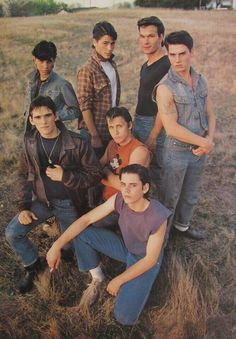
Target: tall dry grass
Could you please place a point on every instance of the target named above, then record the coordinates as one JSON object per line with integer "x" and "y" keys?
{"x": 194, "y": 295}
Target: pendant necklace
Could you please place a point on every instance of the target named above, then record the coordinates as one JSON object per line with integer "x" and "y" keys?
{"x": 53, "y": 147}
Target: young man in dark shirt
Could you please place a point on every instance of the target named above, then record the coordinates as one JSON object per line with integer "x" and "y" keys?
{"x": 151, "y": 35}
{"x": 55, "y": 168}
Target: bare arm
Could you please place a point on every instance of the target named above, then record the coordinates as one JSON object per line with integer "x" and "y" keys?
{"x": 54, "y": 253}
{"x": 140, "y": 155}
{"x": 168, "y": 115}
{"x": 153, "y": 251}
{"x": 151, "y": 140}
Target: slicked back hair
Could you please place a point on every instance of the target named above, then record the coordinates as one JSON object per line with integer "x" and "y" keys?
{"x": 152, "y": 20}
{"x": 179, "y": 38}
{"x": 104, "y": 28}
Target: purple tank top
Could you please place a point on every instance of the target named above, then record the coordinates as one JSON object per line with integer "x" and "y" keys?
{"x": 136, "y": 227}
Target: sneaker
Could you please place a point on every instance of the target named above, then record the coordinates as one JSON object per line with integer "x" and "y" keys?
{"x": 91, "y": 294}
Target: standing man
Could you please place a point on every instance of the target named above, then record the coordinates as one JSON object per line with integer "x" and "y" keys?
{"x": 98, "y": 86}
{"x": 151, "y": 35}
{"x": 187, "y": 115}
{"x": 44, "y": 81}
{"x": 56, "y": 166}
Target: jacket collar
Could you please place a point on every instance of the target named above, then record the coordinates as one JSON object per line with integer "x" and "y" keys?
{"x": 34, "y": 76}
{"x": 98, "y": 58}
{"x": 175, "y": 77}
{"x": 67, "y": 141}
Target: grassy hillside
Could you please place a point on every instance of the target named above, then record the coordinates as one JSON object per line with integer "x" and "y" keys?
{"x": 194, "y": 296}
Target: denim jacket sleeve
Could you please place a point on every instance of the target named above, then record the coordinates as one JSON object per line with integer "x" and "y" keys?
{"x": 68, "y": 109}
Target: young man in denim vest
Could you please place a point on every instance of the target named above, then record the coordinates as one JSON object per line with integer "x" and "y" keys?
{"x": 188, "y": 118}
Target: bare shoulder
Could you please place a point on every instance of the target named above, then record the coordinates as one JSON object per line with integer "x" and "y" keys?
{"x": 163, "y": 92}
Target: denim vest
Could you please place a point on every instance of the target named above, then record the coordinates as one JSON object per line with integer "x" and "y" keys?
{"x": 190, "y": 101}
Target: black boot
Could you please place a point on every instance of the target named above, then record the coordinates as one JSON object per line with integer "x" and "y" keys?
{"x": 27, "y": 282}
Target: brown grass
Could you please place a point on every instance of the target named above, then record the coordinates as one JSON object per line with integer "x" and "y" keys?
{"x": 194, "y": 296}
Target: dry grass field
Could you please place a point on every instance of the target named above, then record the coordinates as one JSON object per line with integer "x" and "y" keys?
{"x": 195, "y": 294}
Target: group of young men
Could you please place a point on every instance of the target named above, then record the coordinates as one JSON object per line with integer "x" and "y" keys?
{"x": 59, "y": 170}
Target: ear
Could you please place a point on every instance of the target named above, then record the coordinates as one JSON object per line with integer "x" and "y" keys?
{"x": 146, "y": 188}
{"x": 94, "y": 42}
{"x": 130, "y": 125}
{"x": 31, "y": 120}
{"x": 192, "y": 52}
{"x": 56, "y": 117}
{"x": 34, "y": 59}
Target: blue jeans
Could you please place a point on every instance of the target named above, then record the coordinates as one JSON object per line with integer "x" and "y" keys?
{"x": 16, "y": 233}
{"x": 132, "y": 295}
{"x": 180, "y": 182}
{"x": 141, "y": 130}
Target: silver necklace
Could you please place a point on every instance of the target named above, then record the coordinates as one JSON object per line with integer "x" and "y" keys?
{"x": 53, "y": 147}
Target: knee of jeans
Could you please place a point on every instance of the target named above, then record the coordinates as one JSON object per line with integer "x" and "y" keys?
{"x": 123, "y": 317}
{"x": 12, "y": 231}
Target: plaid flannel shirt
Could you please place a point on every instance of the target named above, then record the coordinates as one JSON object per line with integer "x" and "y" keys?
{"x": 94, "y": 93}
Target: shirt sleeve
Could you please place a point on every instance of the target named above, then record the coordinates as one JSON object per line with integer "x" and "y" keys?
{"x": 85, "y": 89}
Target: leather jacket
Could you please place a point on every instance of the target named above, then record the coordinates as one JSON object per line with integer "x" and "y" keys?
{"x": 77, "y": 158}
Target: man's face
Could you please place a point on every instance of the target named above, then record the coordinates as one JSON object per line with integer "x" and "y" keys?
{"x": 149, "y": 40}
{"x": 180, "y": 57}
{"x": 44, "y": 120}
{"x": 44, "y": 67}
{"x": 104, "y": 46}
{"x": 132, "y": 188}
{"x": 120, "y": 130}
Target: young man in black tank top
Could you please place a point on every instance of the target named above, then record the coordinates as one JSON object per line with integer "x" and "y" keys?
{"x": 151, "y": 35}
{"x": 55, "y": 168}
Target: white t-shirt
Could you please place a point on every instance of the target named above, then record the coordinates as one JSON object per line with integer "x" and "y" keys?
{"x": 111, "y": 74}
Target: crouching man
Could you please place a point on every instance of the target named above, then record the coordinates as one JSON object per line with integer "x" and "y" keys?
{"x": 143, "y": 225}
{"x": 55, "y": 168}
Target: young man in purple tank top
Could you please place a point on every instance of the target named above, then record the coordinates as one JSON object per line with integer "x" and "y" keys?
{"x": 143, "y": 225}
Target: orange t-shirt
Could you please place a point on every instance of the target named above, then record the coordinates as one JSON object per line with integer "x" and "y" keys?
{"x": 118, "y": 157}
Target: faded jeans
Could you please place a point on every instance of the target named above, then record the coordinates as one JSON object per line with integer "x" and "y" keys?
{"x": 16, "y": 233}
{"x": 141, "y": 130}
{"x": 180, "y": 182}
{"x": 132, "y": 295}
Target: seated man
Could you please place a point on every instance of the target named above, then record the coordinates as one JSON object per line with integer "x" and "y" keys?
{"x": 55, "y": 168}
{"x": 143, "y": 225}
{"x": 44, "y": 81}
{"x": 122, "y": 150}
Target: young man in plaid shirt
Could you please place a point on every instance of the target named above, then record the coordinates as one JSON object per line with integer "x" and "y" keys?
{"x": 98, "y": 86}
